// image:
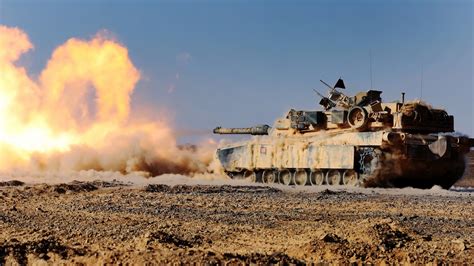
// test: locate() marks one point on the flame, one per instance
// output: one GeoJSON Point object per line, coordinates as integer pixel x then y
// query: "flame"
{"type": "Point", "coordinates": [76, 115]}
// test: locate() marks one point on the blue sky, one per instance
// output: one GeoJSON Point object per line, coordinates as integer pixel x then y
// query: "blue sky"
{"type": "Point", "coordinates": [240, 63]}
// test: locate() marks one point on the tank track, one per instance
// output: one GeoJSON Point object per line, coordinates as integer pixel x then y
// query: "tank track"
{"type": "Point", "coordinates": [300, 177]}
{"type": "Point", "coordinates": [366, 165]}
{"type": "Point", "coordinates": [372, 168]}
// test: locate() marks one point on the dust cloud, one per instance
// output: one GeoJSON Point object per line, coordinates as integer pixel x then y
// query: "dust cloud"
{"type": "Point", "coordinates": [76, 114]}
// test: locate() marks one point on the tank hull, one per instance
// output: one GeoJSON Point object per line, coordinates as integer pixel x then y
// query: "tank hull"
{"type": "Point", "coordinates": [367, 159]}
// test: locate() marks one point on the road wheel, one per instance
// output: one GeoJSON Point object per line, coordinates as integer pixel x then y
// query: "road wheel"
{"type": "Point", "coordinates": [317, 177]}
{"type": "Point", "coordinates": [301, 177]}
{"type": "Point", "coordinates": [269, 177]}
{"type": "Point", "coordinates": [250, 176]}
{"type": "Point", "coordinates": [333, 177]}
{"type": "Point", "coordinates": [285, 177]}
{"type": "Point", "coordinates": [350, 178]}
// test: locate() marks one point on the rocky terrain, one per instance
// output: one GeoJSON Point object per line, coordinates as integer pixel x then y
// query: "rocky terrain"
{"type": "Point", "coordinates": [112, 221]}
{"type": "Point", "coordinates": [169, 219]}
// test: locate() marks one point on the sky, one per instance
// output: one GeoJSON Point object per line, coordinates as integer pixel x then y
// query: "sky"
{"type": "Point", "coordinates": [241, 63]}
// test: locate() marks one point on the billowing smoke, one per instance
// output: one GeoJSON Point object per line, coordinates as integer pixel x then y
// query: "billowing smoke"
{"type": "Point", "coordinates": [76, 115]}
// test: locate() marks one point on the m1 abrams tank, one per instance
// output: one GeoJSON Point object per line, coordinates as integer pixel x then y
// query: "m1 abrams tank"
{"type": "Point", "coordinates": [355, 141]}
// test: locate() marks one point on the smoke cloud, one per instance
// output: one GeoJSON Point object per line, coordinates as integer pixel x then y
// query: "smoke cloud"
{"type": "Point", "coordinates": [77, 115]}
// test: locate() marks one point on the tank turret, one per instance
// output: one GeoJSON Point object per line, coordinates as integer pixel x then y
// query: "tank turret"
{"type": "Point", "coordinates": [355, 140]}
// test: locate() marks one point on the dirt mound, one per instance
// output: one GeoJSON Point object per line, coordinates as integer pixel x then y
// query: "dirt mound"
{"type": "Point", "coordinates": [277, 258]}
{"type": "Point", "coordinates": [378, 241]}
{"type": "Point", "coordinates": [109, 184]}
{"type": "Point", "coordinates": [333, 247]}
{"type": "Point", "coordinates": [332, 194]}
{"type": "Point", "coordinates": [332, 238]}
{"type": "Point", "coordinates": [74, 186]}
{"type": "Point", "coordinates": [173, 239]}
{"type": "Point", "coordinates": [19, 251]}
{"type": "Point", "coordinates": [389, 237]}
{"type": "Point", "coordinates": [80, 186]}
{"type": "Point", "coordinates": [207, 189]}
{"type": "Point", "coordinates": [11, 183]}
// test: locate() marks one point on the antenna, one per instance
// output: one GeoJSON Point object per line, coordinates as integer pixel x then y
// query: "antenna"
{"type": "Point", "coordinates": [327, 85]}
{"type": "Point", "coordinates": [370, 57]}
{"type": "Point", "coordinates": [421, 83]}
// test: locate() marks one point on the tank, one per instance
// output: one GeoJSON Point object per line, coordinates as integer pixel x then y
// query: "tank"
{"type": "Point", "coordinates": [355, 140]}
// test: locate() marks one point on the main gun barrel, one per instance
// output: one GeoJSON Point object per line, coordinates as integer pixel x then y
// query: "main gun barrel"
{"type": "Point", "coordinates": [256, 130]}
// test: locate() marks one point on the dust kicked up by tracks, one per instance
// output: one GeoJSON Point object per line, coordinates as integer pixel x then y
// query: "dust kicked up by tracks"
{"type": "Point", "coordinates": [111, 221]}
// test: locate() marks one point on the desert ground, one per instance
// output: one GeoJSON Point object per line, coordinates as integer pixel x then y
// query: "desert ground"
{"type": "Point", "coordinates": [172, 219]}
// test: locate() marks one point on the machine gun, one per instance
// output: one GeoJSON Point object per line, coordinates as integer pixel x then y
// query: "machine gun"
{"type": "Point", "coordinates": [338, 97]}
{"type": "Point", "coordinates": [325, 101]}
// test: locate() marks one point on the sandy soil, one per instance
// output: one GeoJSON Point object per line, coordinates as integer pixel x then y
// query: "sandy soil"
{"type": "Point", "coordinates": [113, 221]}
{"type": "Point", "coordinates": [208, 218]}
